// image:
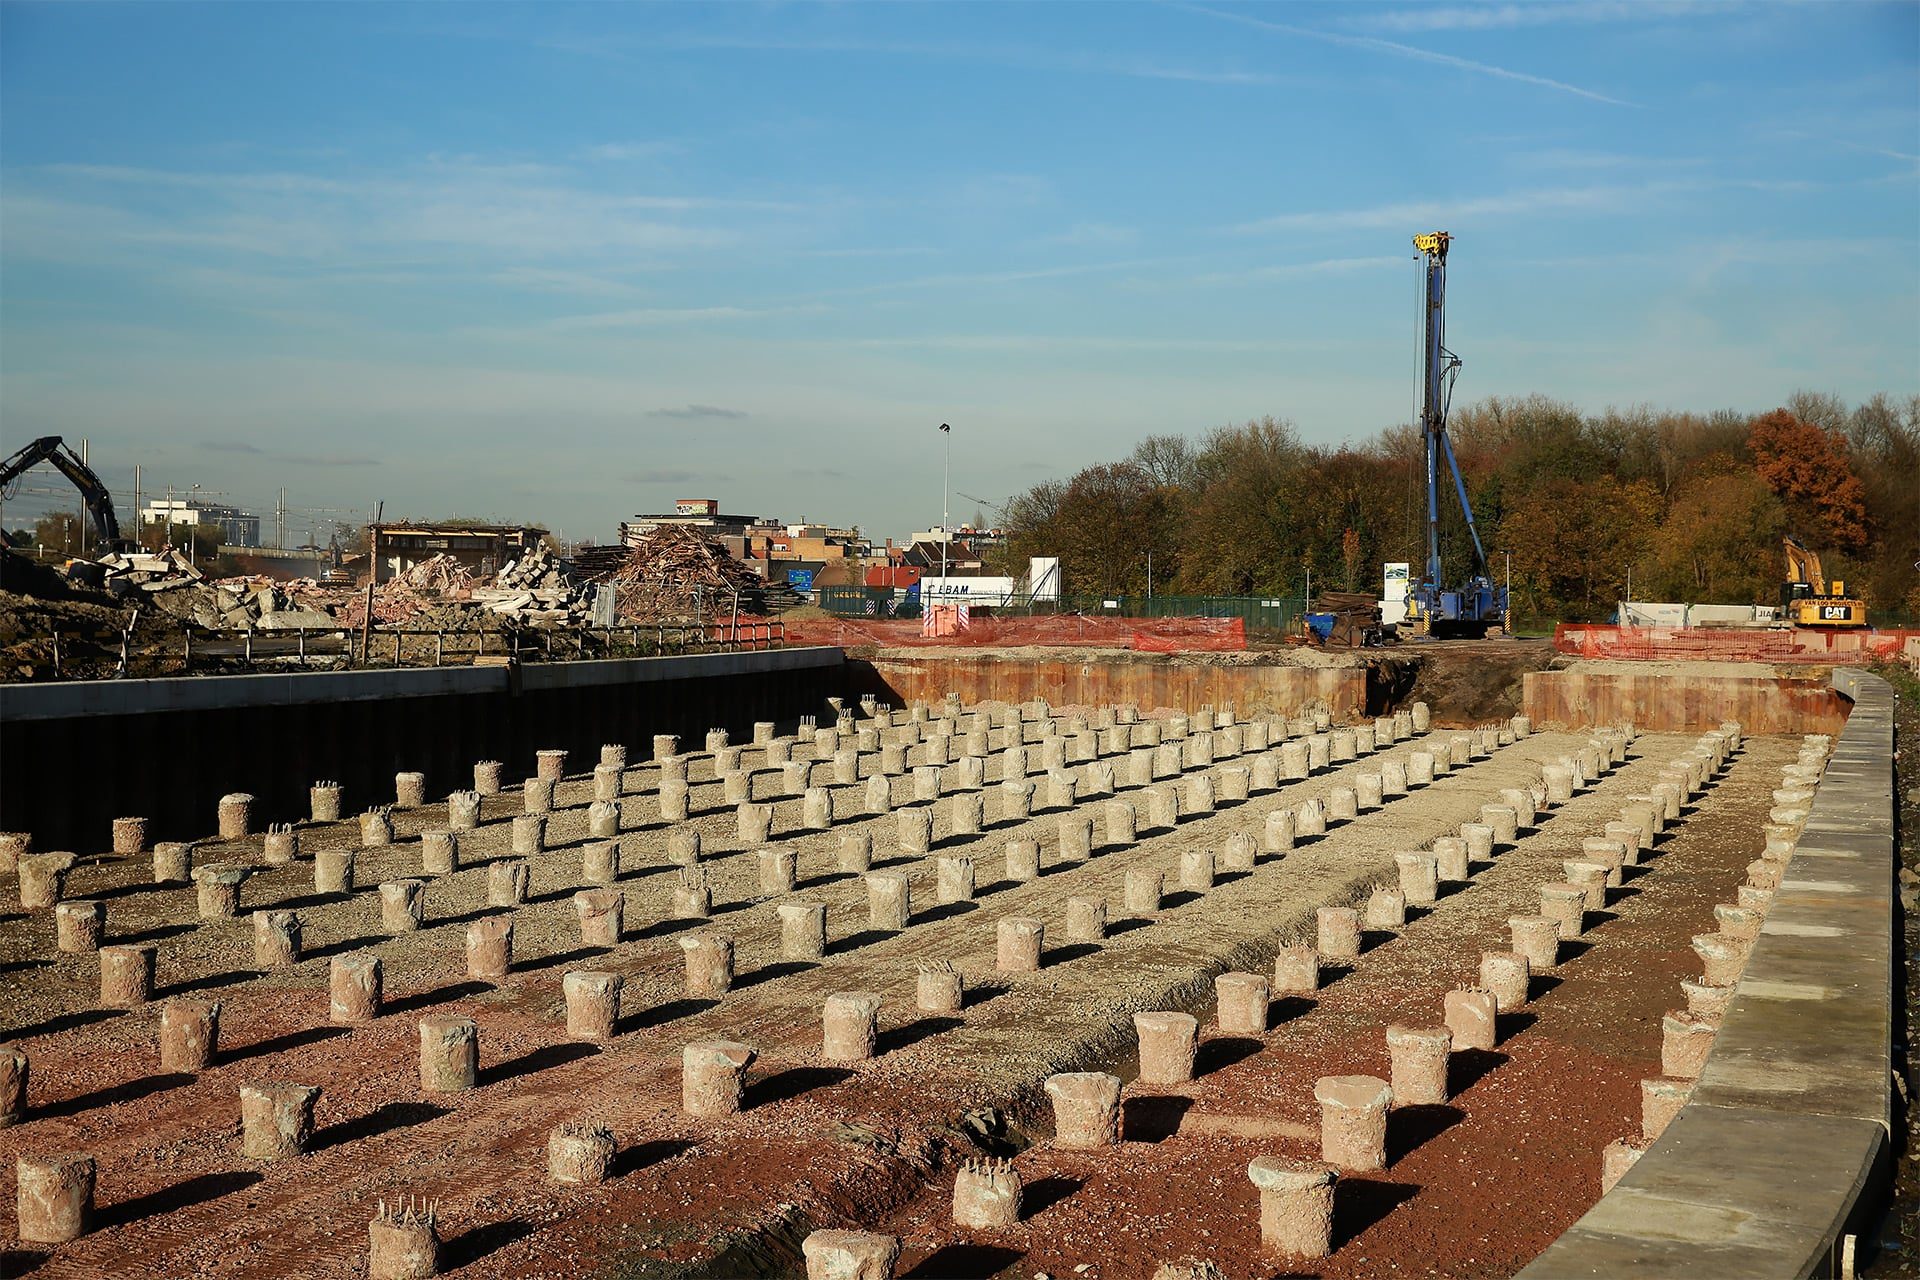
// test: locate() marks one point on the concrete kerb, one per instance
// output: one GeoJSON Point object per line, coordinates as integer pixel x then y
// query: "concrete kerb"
{"type": "Point", "coordinates": [1780, 1155]}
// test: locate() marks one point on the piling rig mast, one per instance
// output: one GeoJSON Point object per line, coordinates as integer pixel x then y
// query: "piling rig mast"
{"type": "Point", "coordinates": [1468, 609]}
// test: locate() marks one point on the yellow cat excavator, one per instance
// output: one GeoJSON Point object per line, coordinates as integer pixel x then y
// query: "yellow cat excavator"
{"type": "Point", "coordinates": [1805, 599]}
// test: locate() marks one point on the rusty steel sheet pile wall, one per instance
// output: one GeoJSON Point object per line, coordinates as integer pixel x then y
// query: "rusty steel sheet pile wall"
{"type": "Point", "coordinates": [1113, 679]}
{"type": "Point", "coordinates": [1665, 701]}
{"type": "Point", "coordinates": [73, 757]}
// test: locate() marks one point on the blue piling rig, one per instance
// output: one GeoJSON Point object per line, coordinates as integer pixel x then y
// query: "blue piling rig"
{"type": "Point", "coordinates": [1470, 608]}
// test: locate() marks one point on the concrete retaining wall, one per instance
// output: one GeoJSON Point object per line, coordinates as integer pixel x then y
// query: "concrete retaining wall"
{"type": "Point", "coordinates": [1666, 701]}
{"type": "Point", "coordinates": [74, 756]}
{"type": "Point", "coordinates": [1115, 678]}
{"type": "Point", "coordinates": [1779, 1155]}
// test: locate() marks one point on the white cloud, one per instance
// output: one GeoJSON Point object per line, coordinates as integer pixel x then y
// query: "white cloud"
{"type": "Point", "coordinates": [1538, 13]}
{"type": "Point", "coordinates": [1377, 45]}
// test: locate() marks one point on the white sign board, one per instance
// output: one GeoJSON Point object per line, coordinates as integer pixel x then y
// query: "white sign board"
{"type": "Point", "coordinates": [987, 591]}
{"type": "Point", "coordinates": [1043, 572]}
{"type": "Point", "coordinates": [1398, 573]}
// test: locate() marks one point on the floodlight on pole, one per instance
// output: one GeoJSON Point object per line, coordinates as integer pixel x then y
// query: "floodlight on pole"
{"type": "Point", "coordinates": [946, 472]}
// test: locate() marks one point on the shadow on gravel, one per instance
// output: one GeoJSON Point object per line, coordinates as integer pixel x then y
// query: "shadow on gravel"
{"type": "Point", "coordinates": [131, 1091]}
{"type": "Point", "coordinates": [1466, 1067]}
{"type": "Point", "coordinates": [1046, 1193]}
{"type": "Point", "coordinates": [65, 1022]}
{"type": "Point", "coordinates": [439, 995]}
{"type": "Point", "coordinates": [644, 1155]}
{"type": "Point", "coordinates": [382, 1119]}
{"type": "Point", "coordinates": [1358, 1203]}
{"type": "Point", "coordinates": [1128, 925]}
{"type": "Point", "coordinates": [945, 911]}
{"type": "Point", "coordinates": [966, 1262]}
{"type": "Point", "coordinates": [791, 1083]}
{"type": "Point", "coordinates": [347, 944]}
{"type": "Point", "coordinates": [1413, 1127]}
{"type": "Point", "coordinates": [1072, 951]}
{"type": "Point", "coordinates": [767, 973]}
{"type": "Point", "coordinates": [181, 1195]}
{"type": "Point", "coordinates": [281, 1043]}
{"type": "Point", "coordinates": [211, 980]}
{"type": "Point", "coordinates": [854, 941]}
{"type": "Point", "coordinates": [155, 934]}
{"type": "Point", "coordinates": [1287, 1008]}
{"type": "Point", "coordinates": [1508, 1025]}
{"type": "Point", "coordinates": [127, 890]}
{"type": "Point", "coordinates": [974, 996]}
{"type": "Point", "coordinates": [560, 958]}
{"type": "Point", "coordinates": [1152, 1119]}
{"type": "Point", "coordinates": [913, 1033]}
{"type": "Point", "coordinates": [1222, 1052]}
{"type": "Point", "coordinates": [553, 1055]}
{"type": "Point", "coordinates": [685, 1007]}
{"type": "Point", "coordinates": [472, 1245]}
{"type": "Point", "coordinates": [22, 1262]}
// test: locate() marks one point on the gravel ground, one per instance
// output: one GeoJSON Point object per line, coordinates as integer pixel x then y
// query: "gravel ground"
{"type": "Point", "coordinates": [818, 1144]}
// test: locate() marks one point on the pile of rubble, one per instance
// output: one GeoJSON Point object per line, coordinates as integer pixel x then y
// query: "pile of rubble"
{"type": "Point", "coordinates": [674, 573]}
{"type": "Point", "coordinates": [537, 588]}
{"type": "Point", "coordinates": [167, 582]}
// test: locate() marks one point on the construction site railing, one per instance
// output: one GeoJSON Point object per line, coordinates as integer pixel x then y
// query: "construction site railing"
{"type": "Point", "coordinates": [391, 647]}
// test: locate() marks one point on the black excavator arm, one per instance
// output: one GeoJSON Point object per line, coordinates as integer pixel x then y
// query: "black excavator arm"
{"type": "Point", "coordinates": [106, 526]}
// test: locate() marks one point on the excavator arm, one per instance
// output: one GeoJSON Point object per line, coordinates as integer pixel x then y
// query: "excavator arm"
{"type": "Point", "coordinates": [1803, 565]}
{"type": "Point", "coordinates": [106, 526]}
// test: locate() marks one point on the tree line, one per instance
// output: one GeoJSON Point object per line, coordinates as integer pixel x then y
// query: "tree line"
{"type": "Point", "coordinates": [1691, 506]}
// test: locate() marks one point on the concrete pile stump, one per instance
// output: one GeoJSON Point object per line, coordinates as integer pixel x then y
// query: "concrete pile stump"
{"type": "Point", "coordinates": [490, 948]}
{"type": "Point", "coordinates": [333, 871]}
{"type": "Point", "coordinates": [189, 1034]}
{"type": "Point", "coordinates": [1310, 819]}
{"type": "Point", "coordinates": [1660, 1101]}
{"type": "Point", "coordinates": [449, 1052]}
{"type": "Point", "coordinates": [1296, 971]}
{"type": "Point", "coordinates": [129, 836]}
{"type": "Point", "coordinates": [1419, 877]}
{"type": "Point", "coordinates": [79, 926]}
{"type": "Point", "coordinates": [1016, 800]}
{"type": "Point", "coordinates": [276, 939]}
{"type": "Point", "coordinates": [778, 870]}
{"type": "Point", "coordinates": [1086, 919]}
{"type": "Point", "coordinates": [376, 827]}
{"type": "Point", "coordinates": [1353, 1121]}
{"type": "Point", "coordinates": [1504, 974]}
{"type": "Point", "coordinates": [529, 833]}
{"type": "Point", "coordinates": [601, 913]}
{"type": "Point", "coordinates": [850, 1255]}
{"type": "Point", "coordinates": [1565, 905]}
{"type": "Point", "coordinates": [55, 1197]}
{"type": "Point", "coordinates": [1023, 860]}
{"type": "Point", "coordinates": [1387, 909]}
{"type": "Point", "coordinates": [218, 889]}
{"type": "Point", "coordinates": [409, 790]}
{"type": "Point", "coordinates": [1453, 855]}
{"type": "Point", "coordinates": [1018, 944]}
{"type": "Point", "coordinates": [713, 1077]}
{"type": "Point", "coordinates": [354, 987]}
{"type": "Point", "coordinates": [709, 964]}
{"type": "Point", "coordinates": [403, 1241]}
{"type": "Point", "coordinates": [1240, 1002]}
{"type": "Point", "coordinates": [1471, 1018]}
{"type": "Point", "coordinates": [1086, 1109]}
{"type": "Point", "coordinates": [940, 988]}
{"type": "Point", "coordinates": [579, 1153]}
{"type": "Point", "coordinates": [915, 831]}
{"type": "Point", "coordinates": [803, 930]}
{"type": "Point", "coordinates": [439, 853]}
{"type": "Point", "coordinates": [172, 862]}
{"type": "Point", "coordinates": [1239, 852]}
{"type": "Point", "coordinates": [507, 883]}
{"type": "Point", "coordinates": [276, 1119]}
{"type": "Point", "coordinates": [674, 799]}
{"type": "Point", "coordinates": [693, 894]}
{"type": "Point", "coordinates": [13, 1084]}
{"type": "Point", "coordinates": [684, 847]}
{"type": "Point", "coordinates": [854, 854]}
{"type": "Point", "coordinates": [1196, 870]}
{"type": "Point", "coordinates": [603, 819]}
{"type": "Point", "coordinates": [600, 863]}
{"type": "Point", "coordinates": [463, 810]}
{"type": "Point", "coordinates": [1122, 823]}
{"type": "Point", "coordinates": [1685, 1041]}
{"type": "Point", "coordinates": [1143, 889]}
{"type": "Point", "coordinates": [235, 816]}
{"type": "Point", "coordinates": [1339, 933]}
{"type": "Point", "coordinates": [1538, 939]}
{"type": "Point", "coordinates": [986, 1195]}
{"type": "Point", "coordinates": [889, 901]}
{"type": "Point", "coordinates": [1277, 835]}
{"type": "Point", "coordinates": [1168, 1042]}
{"type": "Point", "coordinates": [593, 1004]}
{"type": "Point", "coordinates": [1296, 1205]}
{"type": "Point", "coordinates": [953, 879]}
{"type": "Point", "coordinates": [402, 906]}
{"type": "Point", "coordinates": [850, 1026]}
{"type": "Point", "coordinates": [43, 879]}
{"type": "Point", "coordinates": [126, 975]}
{"type": "Point", "coordinates": [1419, 1056]}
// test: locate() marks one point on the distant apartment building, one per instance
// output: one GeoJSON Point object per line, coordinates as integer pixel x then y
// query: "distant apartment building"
{"type": "Point", "coordinates": [237, 528]}
{"type": "Point", "coordinates": [702, 515]}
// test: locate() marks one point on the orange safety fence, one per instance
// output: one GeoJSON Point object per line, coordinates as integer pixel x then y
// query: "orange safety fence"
{"type": "Point", "coordinates": [1713, 644]}
{"type": "Point", "coordinates": [1149, 635]}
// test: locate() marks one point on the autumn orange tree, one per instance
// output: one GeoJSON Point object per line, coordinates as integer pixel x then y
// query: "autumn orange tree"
{"type": "Point", "coordinates": [1808, 469]}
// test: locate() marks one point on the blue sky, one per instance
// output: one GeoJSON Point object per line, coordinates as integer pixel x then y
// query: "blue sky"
{"type": "Point", "coordinates": [568, 263]}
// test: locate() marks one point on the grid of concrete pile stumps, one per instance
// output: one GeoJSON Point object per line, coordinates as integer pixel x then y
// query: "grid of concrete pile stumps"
{"type": "Point", "coordinates": [1141, 772]}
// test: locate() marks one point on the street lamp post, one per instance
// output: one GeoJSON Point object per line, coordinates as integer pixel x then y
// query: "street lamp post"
{"type": "Point", "coordinates": [946, 471]}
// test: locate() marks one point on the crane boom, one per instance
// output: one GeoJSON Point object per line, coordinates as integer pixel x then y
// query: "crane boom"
{"type": "Point", "coordinates": [99, 502]}
{"type": "Point", "coordinates": [1473, 607]}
